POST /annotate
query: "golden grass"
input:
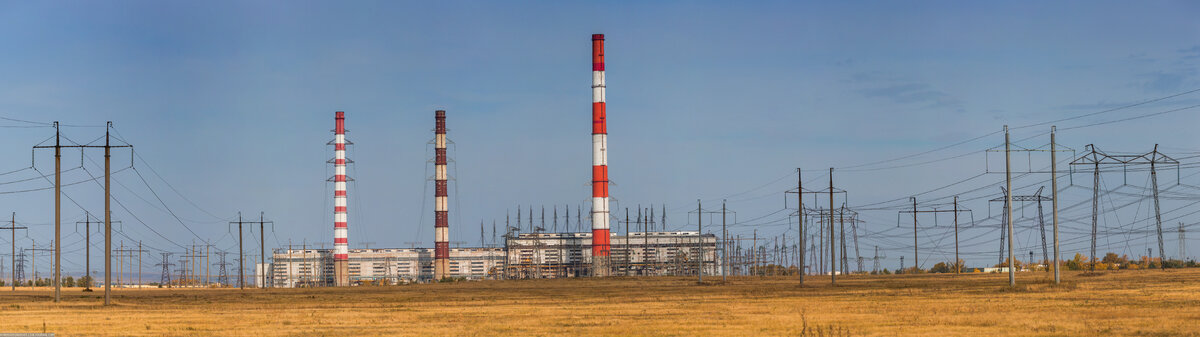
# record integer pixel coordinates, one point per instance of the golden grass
(1151, 303)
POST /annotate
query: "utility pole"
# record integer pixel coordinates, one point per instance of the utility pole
(222, 275)
(753, 256)
(816, 261)
(165, 279)
(832, 251)
(1054, 201)
(507, 231)
(57, 211)
(842, 236)
(957, 264)
(191, 259)
(58, 207)
(87, 246)
(820, 239)
(1182, 244)
(854, 228)
(1162, 254)
(262, 246)
(262, 252)
(183, 271)
(129, 258)
(628, 251)
(800, 206)
(19, 272)
(1004, 198)
(12, 228)
(1095, 158)
(1012, 276)
(740, 267)
(914, 211)
(700, 238)
(1042, 227)
(33, 259)
(876, 258)
(1095, 210)
(207, 265)
(241, 264)
(916, 257)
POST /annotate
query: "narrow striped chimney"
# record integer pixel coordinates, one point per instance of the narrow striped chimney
(441, 214)
(341, 251)
(600, 228)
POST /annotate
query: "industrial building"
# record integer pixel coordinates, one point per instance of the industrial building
(532, 255)
(551, 255)
(315, 267)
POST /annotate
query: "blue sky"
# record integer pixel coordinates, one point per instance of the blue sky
(232, 103)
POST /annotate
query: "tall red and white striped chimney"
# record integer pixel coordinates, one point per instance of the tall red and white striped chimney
(341, 251)
(441, 214)
(600, 234)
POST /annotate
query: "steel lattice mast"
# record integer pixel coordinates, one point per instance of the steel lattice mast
(600, 228)
(441, 214)
(341, 242)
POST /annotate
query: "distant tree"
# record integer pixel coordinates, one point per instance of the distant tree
(1005, 263)
(68, 282)
(1077, 263)
(886, 272)
(940, 267)
(1175, 264)
(85, 282)
(1113, 258)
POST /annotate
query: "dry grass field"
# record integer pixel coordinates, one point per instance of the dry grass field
(1138, 303)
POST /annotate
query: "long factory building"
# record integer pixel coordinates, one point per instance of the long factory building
(540, 255)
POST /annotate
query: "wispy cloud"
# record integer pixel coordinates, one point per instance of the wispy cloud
(1163, 81)
(1191, 53)
(899, 90)
(1141, 58)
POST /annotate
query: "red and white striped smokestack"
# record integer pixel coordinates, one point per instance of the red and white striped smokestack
(441, 208)
(600, 236)
(341, 242)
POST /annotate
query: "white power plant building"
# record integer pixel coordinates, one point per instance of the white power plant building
(314, 267)
(530, 255)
